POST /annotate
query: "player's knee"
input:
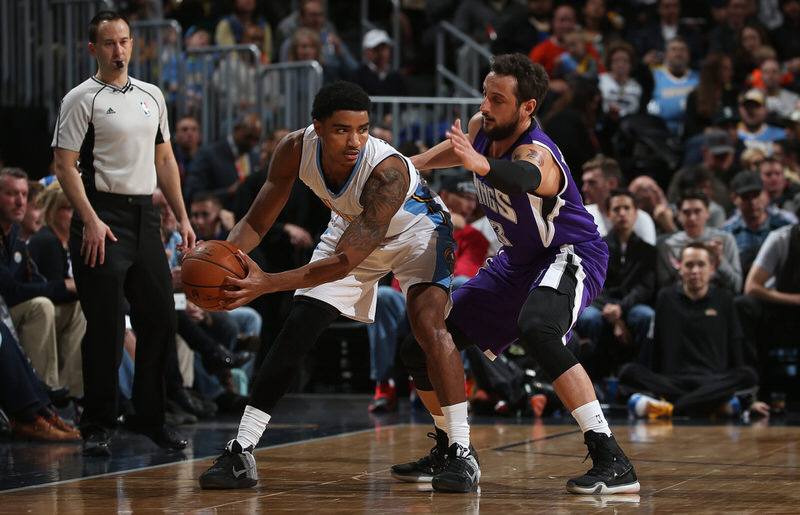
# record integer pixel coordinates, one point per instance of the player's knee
(416, 363)
(543, 340)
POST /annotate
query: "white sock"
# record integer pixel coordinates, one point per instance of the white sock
(590, 418)
(252, 426)
(457, 423)
(440, 422)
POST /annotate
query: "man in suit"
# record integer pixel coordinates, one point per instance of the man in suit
(651, 39)
(222, 166)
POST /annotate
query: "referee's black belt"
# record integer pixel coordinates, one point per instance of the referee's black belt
(103, 199)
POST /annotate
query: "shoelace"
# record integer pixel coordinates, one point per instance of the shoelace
(455, 464)
(600, 465)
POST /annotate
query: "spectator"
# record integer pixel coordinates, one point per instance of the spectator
(780, 102)
(375, 74)
(787, 152)
(189, 71)
(773, 289)
(335, 53)
(32, 221)
(45, 313)
(650, 198)
(793, 125)
(651, 39)
(600, 177)
(781, 192)
(289, 24)
(305, 45)
(697, 354)
(479, 19)
(24, 398)
(547, 52)
(622, 94)
(237, 75)
(600, 27)
(185, 144)
(576, 61)
(209, 220)
(713, 92)
(693, 215)
(672, 84)
(752, 222)
(520, 33)
(723, 37)
(231, 28)
(785, 38)
(754, 130)
(700, 178)
(572, 124)
(752, 47)
(621, 311)
(719, 154)
(220, 167)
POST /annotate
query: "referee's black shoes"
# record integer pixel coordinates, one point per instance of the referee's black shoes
(163, 435)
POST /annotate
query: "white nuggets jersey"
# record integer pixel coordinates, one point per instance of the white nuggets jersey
(347, 202)
(418, 247)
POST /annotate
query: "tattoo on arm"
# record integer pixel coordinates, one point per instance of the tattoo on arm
(529, 154)
(384, 193)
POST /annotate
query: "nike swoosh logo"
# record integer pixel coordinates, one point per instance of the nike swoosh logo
(237, 473)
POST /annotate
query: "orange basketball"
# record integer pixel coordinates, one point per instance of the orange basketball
(204, 270)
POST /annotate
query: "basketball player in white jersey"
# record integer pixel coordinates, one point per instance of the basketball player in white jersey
(383, 219)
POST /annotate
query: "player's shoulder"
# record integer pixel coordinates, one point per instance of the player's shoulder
(84, 91)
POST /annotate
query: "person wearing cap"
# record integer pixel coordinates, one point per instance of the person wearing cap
(752, 221)
(375, 74)
(793, 125)
(693, 215)
(754, 130)
(719, 155)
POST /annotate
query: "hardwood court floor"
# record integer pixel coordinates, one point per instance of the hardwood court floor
(682, 469)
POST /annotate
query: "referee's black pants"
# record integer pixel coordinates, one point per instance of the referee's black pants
(135, 268)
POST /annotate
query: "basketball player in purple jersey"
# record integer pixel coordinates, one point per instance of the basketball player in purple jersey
(550, 267)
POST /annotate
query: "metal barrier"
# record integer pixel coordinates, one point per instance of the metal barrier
(44, 50)
(289, 90)
(219, 83)
(423, 119)
(471, 58)
(157, 44)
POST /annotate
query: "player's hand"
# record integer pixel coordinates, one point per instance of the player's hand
(298, 237)
(93, 243)
(462, 147)
(239, 292)
(187, 236)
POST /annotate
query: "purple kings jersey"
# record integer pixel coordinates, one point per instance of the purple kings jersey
(530, 227)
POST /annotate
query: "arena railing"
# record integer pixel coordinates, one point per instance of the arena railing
(472, 60)
(421, 119)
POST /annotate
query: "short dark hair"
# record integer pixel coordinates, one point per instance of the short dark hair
(619, 46)
(207, 196)
(768, 159)
(693, 176)
(693, 194)
(619, 192)
(101, 17)
(339, 96)
(697, 245)
(788, 146)
(532, 80)
(607, 165)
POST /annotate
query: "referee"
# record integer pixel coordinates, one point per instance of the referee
(112, 149)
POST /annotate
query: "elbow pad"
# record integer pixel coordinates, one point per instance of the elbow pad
(513, 177)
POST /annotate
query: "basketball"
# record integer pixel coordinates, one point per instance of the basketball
(204, 270)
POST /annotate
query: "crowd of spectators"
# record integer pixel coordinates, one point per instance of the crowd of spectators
(693, 106)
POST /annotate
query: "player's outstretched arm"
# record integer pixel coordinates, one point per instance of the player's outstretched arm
(283, 171)
(443, 154)
(384, 193)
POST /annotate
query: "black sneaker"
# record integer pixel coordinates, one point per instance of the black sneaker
(236, 468)
(612, 472)
(423, 470)
(461, 472)
(95, 444)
